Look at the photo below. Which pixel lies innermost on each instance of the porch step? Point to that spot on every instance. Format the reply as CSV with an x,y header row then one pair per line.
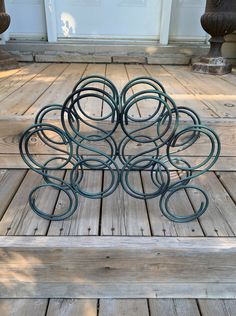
x,y
125,249
121,267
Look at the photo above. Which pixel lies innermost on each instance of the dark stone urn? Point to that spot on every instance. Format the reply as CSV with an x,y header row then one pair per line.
x,y
4,18
7,60
218,20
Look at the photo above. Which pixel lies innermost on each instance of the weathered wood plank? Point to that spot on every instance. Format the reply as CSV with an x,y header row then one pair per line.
x,y
231,77
219,219
198,83
214,308
228,179
219,95
9,138
9,183
21,100
118,75
162,307
24,75
145,107
222,164
161,226
230,306
179,204
60,89
19,219
180,93
126,290
116,307
23,307
213,97
93,106
127,216
72,307
186,307
85,267
180,307
85,220
4,74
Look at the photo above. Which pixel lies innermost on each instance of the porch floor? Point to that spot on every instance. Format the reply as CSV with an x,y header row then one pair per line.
x,y
24,91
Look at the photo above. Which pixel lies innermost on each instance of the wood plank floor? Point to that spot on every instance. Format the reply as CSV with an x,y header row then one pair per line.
x,y
25,91
34,85
115,307
127,218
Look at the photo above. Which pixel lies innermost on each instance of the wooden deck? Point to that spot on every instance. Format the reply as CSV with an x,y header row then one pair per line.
x,y
137,231
127,218
24,91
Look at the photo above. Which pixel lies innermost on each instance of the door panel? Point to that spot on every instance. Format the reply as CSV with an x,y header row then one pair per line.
x,y
185,20
106,18
27,18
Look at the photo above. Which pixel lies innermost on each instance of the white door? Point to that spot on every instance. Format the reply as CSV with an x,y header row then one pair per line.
x,y
106,19
125,19
27,19
185,20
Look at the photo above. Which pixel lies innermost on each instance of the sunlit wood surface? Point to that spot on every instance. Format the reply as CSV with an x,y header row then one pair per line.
x,y
24,91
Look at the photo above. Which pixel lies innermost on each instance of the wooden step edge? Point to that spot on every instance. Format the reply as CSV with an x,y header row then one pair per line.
x,y
108,267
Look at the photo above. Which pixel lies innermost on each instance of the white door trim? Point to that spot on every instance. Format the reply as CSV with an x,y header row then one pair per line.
x,y
51,24
165,21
